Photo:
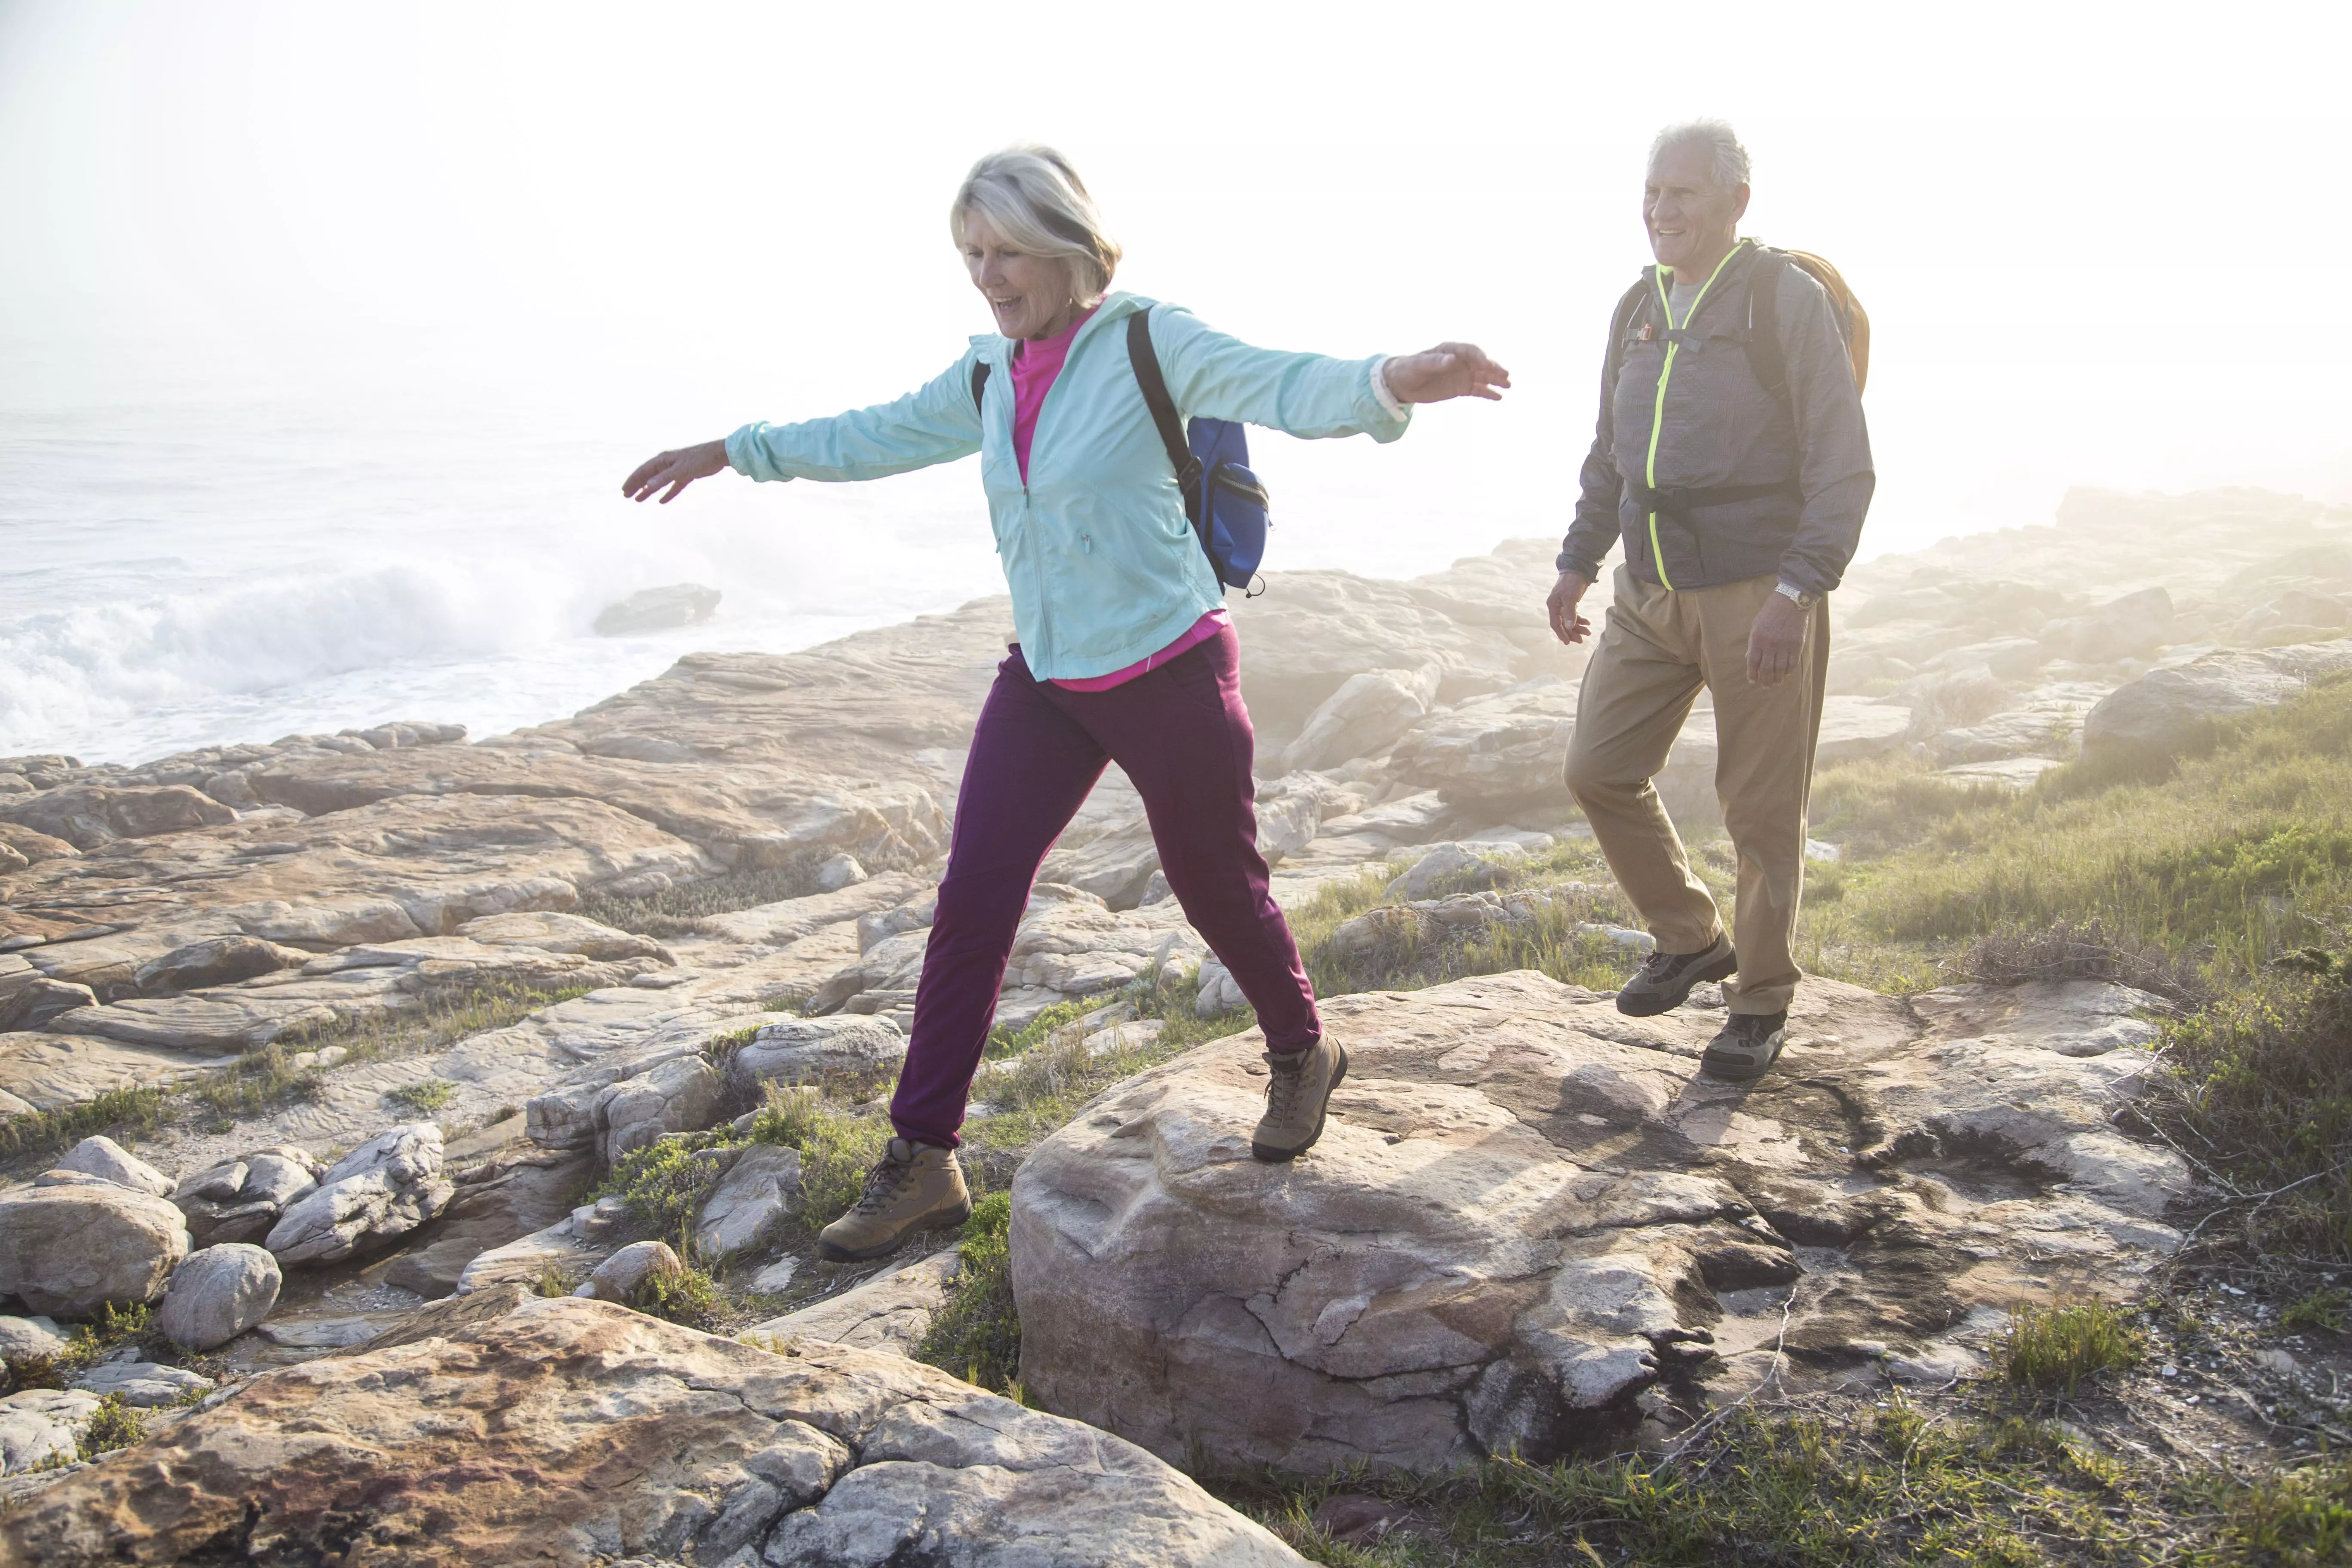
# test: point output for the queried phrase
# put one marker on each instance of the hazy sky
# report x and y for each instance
(2099, 244)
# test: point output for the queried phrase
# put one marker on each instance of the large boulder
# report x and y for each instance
(892, 1313)
(703, 1449)
(217, 960)
(2173, 711)
(384, 1188)
(68, 1250)
(1496, 751)
(803, 1050)
(682, 1095)
(218, 1293)
(86, 815)
(1527, 1209)
(1365, 716)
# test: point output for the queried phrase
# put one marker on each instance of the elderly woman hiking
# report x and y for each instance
(1126, 653)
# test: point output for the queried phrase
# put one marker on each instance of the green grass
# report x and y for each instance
(2052, 1349)
(666, 1182)
(423, 1098)
(687, 1296)
(120, 1112)
(976, 1334)
(113, 1425)
(1884, 1488)
(676, 911)
(836, 1148)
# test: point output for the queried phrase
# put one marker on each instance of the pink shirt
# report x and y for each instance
(1036, 363)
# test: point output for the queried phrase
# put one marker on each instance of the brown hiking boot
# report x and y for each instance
(1297, 1092)
(914, 1186)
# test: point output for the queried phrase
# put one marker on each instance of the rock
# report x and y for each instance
(2133, 627)
(658, 610)
(1471, 869)
(2045, 724)
(803, 1050)
(759, 1192)
(682, 1095)
(1115, 866)
(384, 1188)
(915, 914)
(322, 1333)
(25, 1338)
(1288, 818)
(890, 1312)
(86, 815)
(1367, 715)
(217, 961)
(218, 1292)
(38, 1002)
(524, 1190)
(620, 1277)
(704, 1449)
(2171, 713)
(839, 871)
(239, 1200)
(33, 847)
(1220, 992)
(104, 1158)
(1496, 752)
(558, 1250)
(143, 1384)
(68, 1250)
(1527, 1208)
(552, 931)
(42, 1426)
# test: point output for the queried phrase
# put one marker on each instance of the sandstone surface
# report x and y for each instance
(457, 1439)
(1528, 1209)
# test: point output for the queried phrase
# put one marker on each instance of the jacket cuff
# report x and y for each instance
(1588, 570)
(1382, 391)
(749, 457)
(1803, 578)
(1384, 417)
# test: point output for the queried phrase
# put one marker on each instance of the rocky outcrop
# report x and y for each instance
(111, 1161)
(709, 1451)
(519, 1190)
(69, 1250)
(1528, 1209)
(2173, 711)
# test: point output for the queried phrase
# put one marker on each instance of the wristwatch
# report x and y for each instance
(1797, 595)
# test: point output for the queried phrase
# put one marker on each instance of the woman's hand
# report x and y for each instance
(1449, 369)
(676, 470)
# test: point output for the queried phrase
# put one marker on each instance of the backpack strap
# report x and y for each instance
(1621, 322)
(1146, 361)
(979, 385)
(1767, 356)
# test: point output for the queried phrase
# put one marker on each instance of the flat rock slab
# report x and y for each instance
(514, 1429)
(1528, 1209)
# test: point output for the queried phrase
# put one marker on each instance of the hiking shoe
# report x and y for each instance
(1746, 1046)
(914, 1186)
(1664, 981)
(1297, 1092)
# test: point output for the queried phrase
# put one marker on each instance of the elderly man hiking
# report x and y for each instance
(1126, 653)
(1731, 456)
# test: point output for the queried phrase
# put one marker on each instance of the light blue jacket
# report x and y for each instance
(1104, 567)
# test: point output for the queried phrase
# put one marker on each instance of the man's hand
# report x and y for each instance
(1777, 641)
(1449, 369)
(1566, 623)
(675, 470)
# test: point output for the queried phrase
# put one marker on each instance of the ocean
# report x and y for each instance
(200, 572)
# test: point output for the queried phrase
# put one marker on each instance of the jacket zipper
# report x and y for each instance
(1666, 372)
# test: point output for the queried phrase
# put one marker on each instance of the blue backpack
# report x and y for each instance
(1224, 500)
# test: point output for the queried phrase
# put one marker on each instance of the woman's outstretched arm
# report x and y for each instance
(935, 424)
(1220, 377)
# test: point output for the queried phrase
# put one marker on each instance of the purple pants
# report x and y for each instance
(1183, 737)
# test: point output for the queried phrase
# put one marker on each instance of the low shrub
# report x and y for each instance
(423, 1098)
(2050, 1350)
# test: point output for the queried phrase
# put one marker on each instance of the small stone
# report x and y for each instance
(839, 871)
(619, 1277)
(22, 1338)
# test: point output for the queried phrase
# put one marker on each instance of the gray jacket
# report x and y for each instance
(1804, 459)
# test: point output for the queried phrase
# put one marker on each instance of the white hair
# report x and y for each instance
(1727, 160)
(1032, 197)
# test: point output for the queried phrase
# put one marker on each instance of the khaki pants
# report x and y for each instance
(1657, 650)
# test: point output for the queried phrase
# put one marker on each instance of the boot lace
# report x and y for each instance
(883, 1184)
(1285, 1088)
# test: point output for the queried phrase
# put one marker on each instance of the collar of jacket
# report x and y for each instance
(1117, 306)
(1735, 267)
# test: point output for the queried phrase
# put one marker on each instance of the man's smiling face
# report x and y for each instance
(1692, 219)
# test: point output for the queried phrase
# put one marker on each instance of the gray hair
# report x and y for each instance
(1727, 160)
(1032, 196)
